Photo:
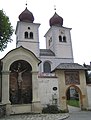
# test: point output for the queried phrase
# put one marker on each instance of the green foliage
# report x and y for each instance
(53, 109)
(88, 78)
(74, 103)
(6, 30)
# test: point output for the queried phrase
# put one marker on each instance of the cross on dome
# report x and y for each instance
(26, 4)
(55, 8)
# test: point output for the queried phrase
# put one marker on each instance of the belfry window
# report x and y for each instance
(47, 67)
(60, 38)
(31, 35)
(64, 38)
(26, 34)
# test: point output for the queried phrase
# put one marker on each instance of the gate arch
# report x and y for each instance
(20, 82)
(79, 92)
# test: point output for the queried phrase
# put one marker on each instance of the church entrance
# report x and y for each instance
(20, 82)
(74, 98)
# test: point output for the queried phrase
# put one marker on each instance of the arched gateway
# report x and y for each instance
(71, 75)
(74, 94)
(20, 82)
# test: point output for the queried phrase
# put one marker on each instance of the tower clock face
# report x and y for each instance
(62, 32)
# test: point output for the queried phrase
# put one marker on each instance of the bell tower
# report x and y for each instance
(58, 39)
(27, 32)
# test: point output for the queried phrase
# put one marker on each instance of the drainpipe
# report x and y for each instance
(1, 79)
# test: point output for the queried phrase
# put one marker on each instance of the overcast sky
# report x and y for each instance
(76, 15)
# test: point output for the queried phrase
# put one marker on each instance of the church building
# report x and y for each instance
(32, 78)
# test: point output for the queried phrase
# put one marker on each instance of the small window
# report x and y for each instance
(26, 34)
(60, 38)
(54, 88)
(64, 38)
(47, 67)
(28, 28)
(31, 35)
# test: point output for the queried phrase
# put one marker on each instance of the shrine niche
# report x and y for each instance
(72, 77)
(20, 82)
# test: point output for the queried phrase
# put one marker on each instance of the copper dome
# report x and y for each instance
(56, 20)
(26, 16)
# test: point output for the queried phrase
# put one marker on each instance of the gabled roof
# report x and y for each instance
(70, 66)
(46, 52)
(21, 48)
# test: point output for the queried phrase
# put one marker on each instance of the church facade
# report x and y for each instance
(32, 78)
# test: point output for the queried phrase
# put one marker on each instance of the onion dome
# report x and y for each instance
(56, 20)
(26, 16)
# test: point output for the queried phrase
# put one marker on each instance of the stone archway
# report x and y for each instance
(20, 82)
(74, 93)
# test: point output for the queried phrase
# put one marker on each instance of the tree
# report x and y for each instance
(6, 30)
(87, 74)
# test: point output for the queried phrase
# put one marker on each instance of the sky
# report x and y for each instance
(76, 15)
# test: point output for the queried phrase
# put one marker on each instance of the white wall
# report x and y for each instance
(89, 95)
(54, 61)
(31, 44)
(46, 91)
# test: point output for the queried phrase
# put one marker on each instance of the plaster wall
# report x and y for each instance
(89, 96)
(53, 61)
(46, 91)
(31, 44)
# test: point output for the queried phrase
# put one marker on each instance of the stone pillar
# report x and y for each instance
(62, 90)
(83, 90)
(5, 87)
(36, 106)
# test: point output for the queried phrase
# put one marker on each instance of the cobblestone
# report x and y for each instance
(37, 117)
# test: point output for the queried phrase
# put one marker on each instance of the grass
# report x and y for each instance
(74, 103)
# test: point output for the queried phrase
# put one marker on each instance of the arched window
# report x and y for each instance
(60, 38)
(26, 34)
(47, 67)
(31, 35)
(64, 38)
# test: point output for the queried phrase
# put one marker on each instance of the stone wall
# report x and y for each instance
(2, 110)
(89, 96)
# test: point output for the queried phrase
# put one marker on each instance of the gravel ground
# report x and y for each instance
(36, 117)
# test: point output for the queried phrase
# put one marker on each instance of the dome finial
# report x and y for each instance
(55, 8)
(26, 4)
(26, 15)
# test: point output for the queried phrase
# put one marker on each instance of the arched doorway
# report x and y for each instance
(74, 97)
(20, 82)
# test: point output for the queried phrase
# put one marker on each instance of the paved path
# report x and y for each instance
(37, 117)
(82, 115)
(73, 109)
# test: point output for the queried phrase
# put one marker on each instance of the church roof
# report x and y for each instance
(56, 20)
(70, 66)
(46, 52)
(26, 16)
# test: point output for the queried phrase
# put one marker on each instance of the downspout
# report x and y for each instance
(1, 79)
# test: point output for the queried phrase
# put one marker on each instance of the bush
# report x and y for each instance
(51, 109)
(64, 111)
(2, 110)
